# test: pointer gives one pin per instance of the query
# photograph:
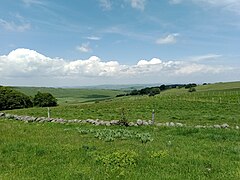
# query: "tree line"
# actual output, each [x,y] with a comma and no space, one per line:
[152,91]
[13,99]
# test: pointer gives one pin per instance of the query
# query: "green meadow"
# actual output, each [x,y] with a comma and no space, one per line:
[72,95]
[83,151]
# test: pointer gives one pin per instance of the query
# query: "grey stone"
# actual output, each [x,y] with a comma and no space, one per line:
[216,126]
[108,124]
[237,127]
[145,123]
[171,124]
[179,124]
[159,124]
[131,124]
[225,125]
[97,124]
[2,114]
[139,122]
[114,122]
[9,116]
[199,126]
[150,122]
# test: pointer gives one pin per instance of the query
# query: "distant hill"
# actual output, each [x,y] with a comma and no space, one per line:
[72,95]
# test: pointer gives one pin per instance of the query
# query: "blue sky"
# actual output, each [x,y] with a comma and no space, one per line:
[88,42]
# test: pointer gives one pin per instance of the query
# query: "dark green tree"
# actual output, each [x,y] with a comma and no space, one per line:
[13,99]
[154,91]
[44,100]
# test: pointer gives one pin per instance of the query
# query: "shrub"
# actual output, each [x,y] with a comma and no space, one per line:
[192,89]
[44,100]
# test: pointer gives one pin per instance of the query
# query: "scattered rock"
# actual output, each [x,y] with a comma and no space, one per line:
[97,122]
[145,123]
[139,122]
[225,125]
[159,124]
[131,124]
[216,126]
[199,126]
[179,124]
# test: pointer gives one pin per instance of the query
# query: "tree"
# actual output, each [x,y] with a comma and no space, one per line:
[154,91]
[44,100]
[134,92]
[13,99]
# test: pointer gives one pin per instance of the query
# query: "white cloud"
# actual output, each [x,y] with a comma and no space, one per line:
[106,4]
[138,4]
[13,26]
[169,39]
[29,64]
[84,48]
[94,38]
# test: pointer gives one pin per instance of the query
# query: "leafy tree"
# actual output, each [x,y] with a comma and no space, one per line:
[134,92]
[162,87]
[13,99]
[190,85]
[154,91]
[44,100]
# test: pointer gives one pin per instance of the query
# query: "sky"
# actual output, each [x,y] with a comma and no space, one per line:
[95,42]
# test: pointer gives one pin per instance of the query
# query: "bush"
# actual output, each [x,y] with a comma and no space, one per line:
[44,100]
[12,99]
[154,91]
[192,89]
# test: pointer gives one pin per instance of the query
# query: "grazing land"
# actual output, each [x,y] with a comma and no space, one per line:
[83,151]
[72,95]
[176,105]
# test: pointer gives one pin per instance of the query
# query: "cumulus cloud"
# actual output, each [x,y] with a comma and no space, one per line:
[29,64]
[84,47]
[169,39]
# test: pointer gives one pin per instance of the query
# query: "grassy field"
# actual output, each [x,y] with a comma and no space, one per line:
[55,151]
[201,107]
[81,151]
[72,95]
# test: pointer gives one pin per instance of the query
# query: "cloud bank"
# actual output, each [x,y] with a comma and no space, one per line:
[31,65]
